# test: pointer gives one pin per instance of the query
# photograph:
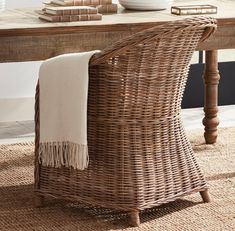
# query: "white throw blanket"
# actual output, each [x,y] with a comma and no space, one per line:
[63,83]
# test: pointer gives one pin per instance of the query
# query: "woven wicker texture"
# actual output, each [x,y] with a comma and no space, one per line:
[139,154]
[17,212]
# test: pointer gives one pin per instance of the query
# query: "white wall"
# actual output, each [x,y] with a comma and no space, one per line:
[18,80]
[17,88]
[22,3]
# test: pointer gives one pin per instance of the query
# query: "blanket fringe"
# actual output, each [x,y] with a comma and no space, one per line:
[59,154]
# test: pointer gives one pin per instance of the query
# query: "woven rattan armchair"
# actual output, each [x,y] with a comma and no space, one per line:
[139,154]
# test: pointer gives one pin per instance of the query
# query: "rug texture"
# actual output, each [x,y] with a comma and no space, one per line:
[189,213]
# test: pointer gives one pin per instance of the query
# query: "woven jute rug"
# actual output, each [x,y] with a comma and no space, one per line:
[189,213]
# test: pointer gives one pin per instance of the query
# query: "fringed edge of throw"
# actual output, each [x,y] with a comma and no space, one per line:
[67,154]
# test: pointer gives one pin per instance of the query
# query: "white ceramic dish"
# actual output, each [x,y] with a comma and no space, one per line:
[146,4]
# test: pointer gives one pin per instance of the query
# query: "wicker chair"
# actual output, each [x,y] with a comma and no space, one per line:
[139,154]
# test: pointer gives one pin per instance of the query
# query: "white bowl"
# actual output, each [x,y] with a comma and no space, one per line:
[146,4]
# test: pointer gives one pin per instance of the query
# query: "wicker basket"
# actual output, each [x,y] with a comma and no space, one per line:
[139,154]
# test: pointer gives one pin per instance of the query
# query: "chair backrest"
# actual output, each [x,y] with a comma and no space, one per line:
[144,76]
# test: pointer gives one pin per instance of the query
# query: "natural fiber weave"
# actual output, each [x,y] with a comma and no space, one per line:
[17,212]
[139,154]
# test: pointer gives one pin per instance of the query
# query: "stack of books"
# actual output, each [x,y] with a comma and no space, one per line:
[76,10]
[103,6]
[69,14]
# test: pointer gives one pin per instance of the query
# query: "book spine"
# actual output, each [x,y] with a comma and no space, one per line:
[72,18]
[84,2]
[198,11]
[110,8]
[73,12]
[194,11]
[89,17]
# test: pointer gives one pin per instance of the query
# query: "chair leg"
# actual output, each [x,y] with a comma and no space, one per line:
[135,218]
[205,196]
[38,201]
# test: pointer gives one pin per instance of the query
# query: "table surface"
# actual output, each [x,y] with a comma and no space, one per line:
[25,21]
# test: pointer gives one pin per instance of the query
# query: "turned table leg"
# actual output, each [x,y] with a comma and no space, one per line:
[211,80]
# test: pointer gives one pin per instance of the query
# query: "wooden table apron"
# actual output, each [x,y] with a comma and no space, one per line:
[31,44]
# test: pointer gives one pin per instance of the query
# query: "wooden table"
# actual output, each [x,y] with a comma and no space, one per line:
[23,37]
